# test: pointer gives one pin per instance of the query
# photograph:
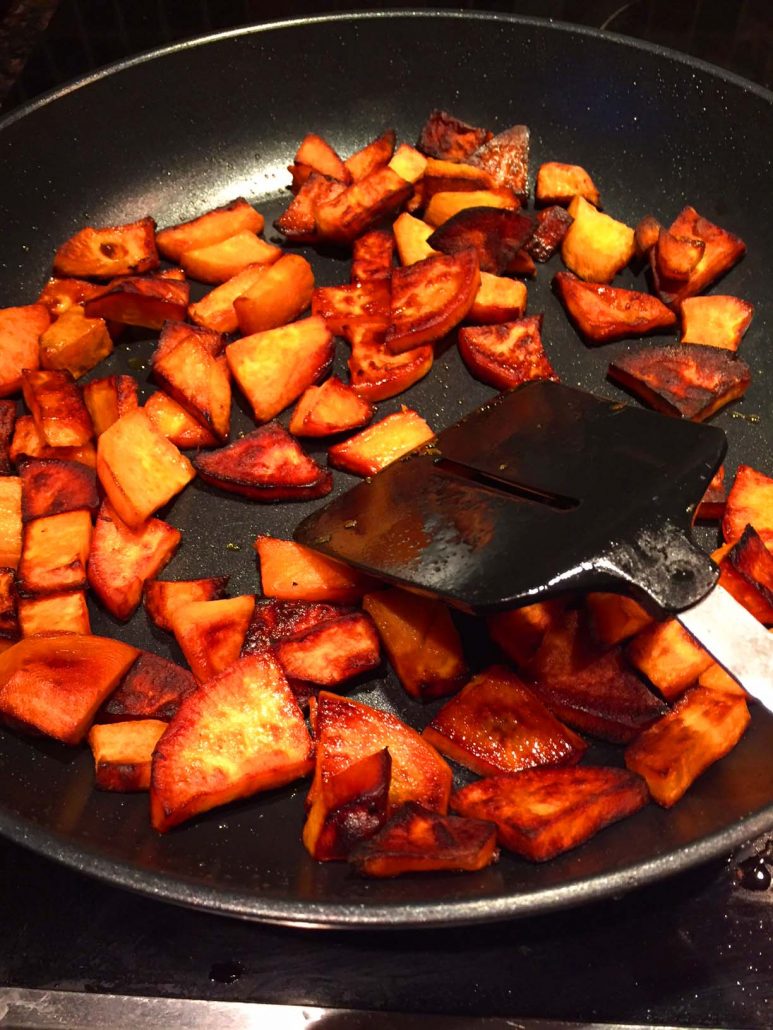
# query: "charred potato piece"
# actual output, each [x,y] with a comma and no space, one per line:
[560,183]
[331,408]
[603,313]
[372,449]
[291,572]
[212,227]
[430,297]
[108,399]
[721,251]
[506,158]
[332,651]
[61,295]
[508,354]
[449,139]
[153,688]
[715,321]
[122,753]
[50,487]
[596,247]
[274,621]
[54,613]
[552,225]
[376,374]
[495,234]
[144,302]
[341,219]
[57,407]
[103,253]
[349,807]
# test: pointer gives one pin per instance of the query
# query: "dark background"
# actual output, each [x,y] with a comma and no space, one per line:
[692,951]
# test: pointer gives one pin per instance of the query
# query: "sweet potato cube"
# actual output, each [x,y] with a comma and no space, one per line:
[154,688]
[140,470]
[122,753]
[552,225]
[498,300]
[567,647]
[122,559]
[520,631]
[449,139]
[7,423]
[292,572]
[668,656]
[177,333]
[746,572]
[595,247]
[376,374]
[692,382]
[199,382]
[55,684]
[299,221]
[342,218]
[616,617]
[363,305]
[211,633]
[57,406]
[9,623]
[750,502]
[522,263]
[560,183]
[715,321]
[239,733]
[10,521]
[700,729]
[372,256]
[147,302]
[208,229]
[28,443]
[347,731]
[602,313]
[330,408]
[372,449]
[449,177]
[408,163]
[54,553]
[677,256]
[497,724]
[54,613]
[715,678]
[108,399]
[447,204]
[174,422]
[215,310]
[431,297]
[275,367]
[541,813]
[349,807]
[371,157]
[646,235]
[75,343]
[721,251]
[508,354]
[163,597]
[332,651]
[50,487]
[316,154]
[411,235]
[221,261]
[495,234]
[265,465]
[61,295]
[506,158]
[273,621]
[417,841]
[421,642]
[103,253]
[712,505]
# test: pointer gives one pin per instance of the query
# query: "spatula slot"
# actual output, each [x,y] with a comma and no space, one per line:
[507,486]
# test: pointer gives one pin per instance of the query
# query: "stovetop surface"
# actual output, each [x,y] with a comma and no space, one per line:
[692,951]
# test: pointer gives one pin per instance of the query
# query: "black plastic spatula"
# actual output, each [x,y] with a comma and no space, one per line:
[547,489]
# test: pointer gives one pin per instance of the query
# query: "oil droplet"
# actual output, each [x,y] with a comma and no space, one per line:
[226,972]
[753,874]
[233,547]
[746,418]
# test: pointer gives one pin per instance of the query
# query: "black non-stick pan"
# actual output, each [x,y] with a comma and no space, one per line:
[184,129]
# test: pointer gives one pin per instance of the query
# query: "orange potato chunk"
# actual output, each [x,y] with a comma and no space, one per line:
[362,305]
[50,487]
[109,398]
[239,733]
[190,374]
[75,343]
[57,407]
[219,262]
[54,613]
[442,176]
[316,155]
[54,553]
[371,157]
[716,321]
[616,617]
[715,678]
[174,422]
[520,631]
[372,449]
[541,813]
[153,688]
[299,221]
[28,443]
[332,651]
[61,295]
[122,753]
[603,313]
[211,633]
[411,235]
[372,256]
[210,228]
[103,253]
[445,204]
[677,256]
[721,251]
[560,183]
[10,521]
[215,310]
[701,728]
[750,502]
[408,163]
[376,374]
[330,408]
[506,158]
[746,572]
[508,354]
[163,597]
[292,572]
[449,139]
[55,684]
[147,302]
[596,247]
[668,656]
[342,218]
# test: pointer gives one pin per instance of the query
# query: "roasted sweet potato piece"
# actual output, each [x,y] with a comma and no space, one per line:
[701,728]
[692,382]
[411,235]
[417,841]
[75,343]
[174,422]
[163,597]
[332,651]
[215,310]
[316,155]
[676,256]
[449,139]
[645,235]
[278,296]
[750,502]
[347,731]
[447,204]
[712,504]
[376,374]
[430,297]
[715,321]
[219,262]
[560,183]
[57,407]
[273,621]
[50,487]
[211,633]
[176,333]
[602,313]
[497,300]
[721,251]
[363,305]
[552,225]
[28,443]
[55,684]
[7,423]
[153,688]
[9,623]
[123,559]
[140,470]
[212,227]
[421,642]
[541,813]
[567,647]
[239,733]
[54,553]
[265,465]
[506,158]
[522,263]
[508,354]
[330,408]
[147,302]
[372,449]
[408,163]
[349,807]
[199,382]
[449,177]
[372,256]
[122,753]
[519,631]
[747,573]
[495,234]
[20,332]
[108,399]
[342,218]
[497,724]
[61,295]
[299,222]
[54,613]
[616,617]
[668,656]
[291,572]
[595,247]
[103,253]
[371,157]
[715,678]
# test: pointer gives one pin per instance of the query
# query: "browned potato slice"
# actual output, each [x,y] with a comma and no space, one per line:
[147,302]
[57,407]
[750,502]
[498,300]
[315,155]
[54,613]
[560,183]
[506,158]
[54,553]
[215,310]
[447,204]
[10,521]
[153,688]
[371,157]
[299,222]
[363,305]
[7,423]
[411,235]
[372,256]
[616,617]
[9,623]
[520,631]
[50,487]
[174,422]
[721,251]
[163,597]
[330,408]
[75,343]
[377,374]
[715,321]
[28,443]
[292,572]
[332,651]
[508,354]
[668,656]
[190,374]
[449,139]
[603,313]
[676,256]
[342,218]
[552,225]
[596,247]
[372,449]
[495,234]
[281,293]
[103,253]
[211,633]
[122,753]
[209,228]
[273,621]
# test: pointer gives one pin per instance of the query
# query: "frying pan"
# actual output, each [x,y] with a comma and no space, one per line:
[180,130]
